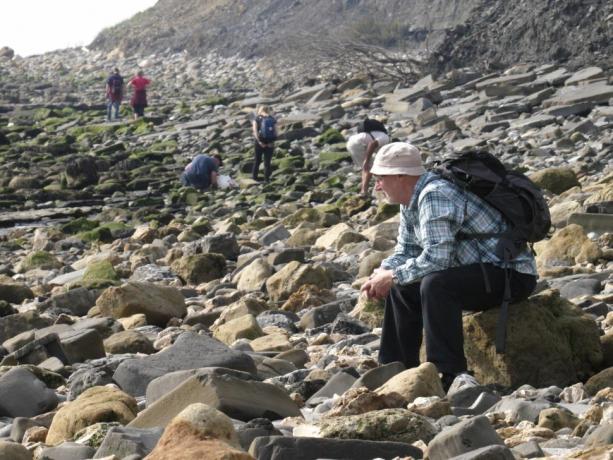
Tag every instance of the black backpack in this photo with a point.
(517, 198)
(267, 131)
(368, 125)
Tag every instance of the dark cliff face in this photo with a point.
(482, 33)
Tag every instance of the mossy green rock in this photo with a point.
(200, 268)
(100, 274)
(39, 259)
(80, 224)
(549, 342)
(384, 212)
(331, 136)
(333, 158)
(312, 215)
(556, 180)
(398, 425)
(353, 204)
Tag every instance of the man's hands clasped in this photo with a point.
(379, 284)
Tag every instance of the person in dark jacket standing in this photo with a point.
(114, 94)
(139, 96)
(265, 133)
(435, 272)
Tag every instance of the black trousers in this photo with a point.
(435, 305)
(260, 152)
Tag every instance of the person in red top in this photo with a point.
(139, 96)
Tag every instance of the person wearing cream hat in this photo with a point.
(436, 271)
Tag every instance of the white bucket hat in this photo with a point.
(398, 158)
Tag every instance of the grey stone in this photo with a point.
(19, 427)
(223, 243)
(106, 327)
(79, 346)
(288, 448)
(274, 234)
(592, 222)
(164, 384)
(338, 384)
(123, 441)
(577, 288)
(22, 394)
(483, 402)
(76, 301)
(321, 315)
(463, 437)
(67, 451)
(495, 452)
(601, 436)
(12, 325)
(190, 351)
(236, 397)
(519, 410)
(255, 428)
(530, 449)
(376, 377)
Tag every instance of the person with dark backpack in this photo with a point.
(264, 128)
(463, 243)
(362, 146)
(114, 94)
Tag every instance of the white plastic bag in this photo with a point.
(224, 182)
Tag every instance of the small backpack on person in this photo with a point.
(268, 131)
(368, 125)
(515, 196)
(116, 87)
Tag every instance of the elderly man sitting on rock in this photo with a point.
(434, 274)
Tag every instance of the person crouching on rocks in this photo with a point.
(436, 269)
(362, 146)
(202, 172)
(264, 128)
(139, 96)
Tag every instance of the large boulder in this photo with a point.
(293, 275)
(549, 342)
(97, 404)
(568, 246)
(23, 394)
(200, 268)
(14, 451)
(158, 303)
(190, 351)
(238, 396)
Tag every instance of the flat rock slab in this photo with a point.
(287, 448)
(190, 351)
(123, 441)
(49, 213)
(237, 398)
(596, 93)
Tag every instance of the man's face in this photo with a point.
(397, 188)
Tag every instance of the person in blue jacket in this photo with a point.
(202, 172)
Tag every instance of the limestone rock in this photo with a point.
(308, 296)
(399, 425)
(556, 180)
(14, 451)
(549, 342)
(244, 327)
(567, 246)
(158, 303)
(293, 275)
(253, 277)
(361, 400)
(413, 383)
(128, 342)
(97, 404)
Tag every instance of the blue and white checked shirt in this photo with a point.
(427, 242)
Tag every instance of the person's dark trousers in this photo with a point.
(435, 305)
(260, 152)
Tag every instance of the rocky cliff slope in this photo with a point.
(450, 33)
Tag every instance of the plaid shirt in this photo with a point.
(427, 242)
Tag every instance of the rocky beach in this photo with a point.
(143, 319)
